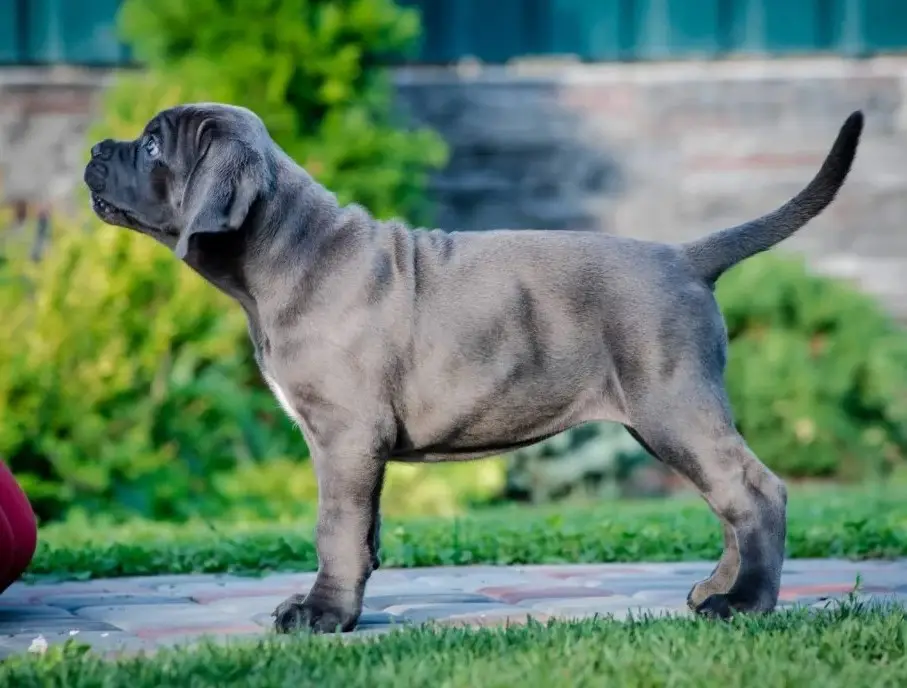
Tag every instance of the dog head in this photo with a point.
(195, 169)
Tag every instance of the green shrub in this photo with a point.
(817, 372)
(128, 383)
(125, 381)
(308, 68)
(592, 460)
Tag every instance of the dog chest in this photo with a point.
(282, 398)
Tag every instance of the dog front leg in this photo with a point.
(349, 487)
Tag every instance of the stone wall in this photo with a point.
(663, 151)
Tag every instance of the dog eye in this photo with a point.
(152, 147)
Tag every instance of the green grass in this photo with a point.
(846, 647)
(854, 523)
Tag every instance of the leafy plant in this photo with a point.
(308, 68)
(817, 371)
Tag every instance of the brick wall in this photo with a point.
(664, 151)
(44, 117)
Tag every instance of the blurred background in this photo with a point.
(127, 385)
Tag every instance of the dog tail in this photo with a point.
(712, 255)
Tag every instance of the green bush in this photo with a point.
(308, 68)
(594, 460)
(817, 372)
(128, 383)
(125, 381)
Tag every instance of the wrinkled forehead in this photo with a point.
(175, 129)
(179, 126)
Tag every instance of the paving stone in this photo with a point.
(518, 594)
(246, 606)
(368, 619)
(660, 596)
(135, 617)
(219, 589)
(37, 592)
(165, 580)
(385, 601)
(227, 594)
(580, 570)
(430, 612)
(263, 619)
(377, 619)
(282, 579)
(555, 605)
(472, 583)
(10, 612)
(394, 576)
(45, 619)
(103, 599)
(402, 590)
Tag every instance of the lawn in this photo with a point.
(845, 647)
(839, 522)
(849, 645)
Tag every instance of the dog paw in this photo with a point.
(723, 606)
(297, 614)
(705, 589)
(714, 607)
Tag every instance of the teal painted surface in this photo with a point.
(84, 31)
(74, 31)
(782, 26)
(9, 32)
(884, 24)
(592, 30)
(667, 29)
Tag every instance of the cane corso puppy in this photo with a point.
(388, 343)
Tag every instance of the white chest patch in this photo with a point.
(283, 400)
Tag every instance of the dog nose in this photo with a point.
(102, 149)
(95, 176)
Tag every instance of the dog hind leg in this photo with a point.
(725, 572)
(691, 431)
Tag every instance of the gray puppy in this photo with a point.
(384, 343)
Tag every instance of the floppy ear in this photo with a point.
(220, 191)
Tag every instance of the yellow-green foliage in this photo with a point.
(125, 377)
(307, 67)
(283, 489)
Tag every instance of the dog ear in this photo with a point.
(220, 191)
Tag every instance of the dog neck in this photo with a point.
(268, 252)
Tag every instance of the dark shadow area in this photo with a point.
(519, 158)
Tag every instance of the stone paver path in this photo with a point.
(134, 614)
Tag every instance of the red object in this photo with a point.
(18, 529)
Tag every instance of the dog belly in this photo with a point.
(447, 454)
(483, 432)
